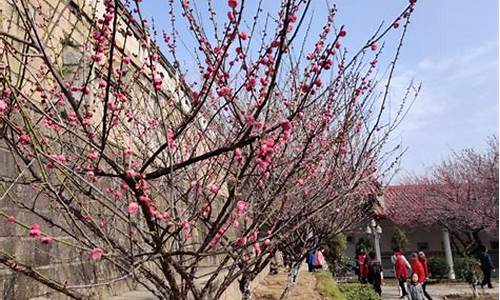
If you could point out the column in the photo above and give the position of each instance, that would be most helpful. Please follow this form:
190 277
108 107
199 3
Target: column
377 247
447 253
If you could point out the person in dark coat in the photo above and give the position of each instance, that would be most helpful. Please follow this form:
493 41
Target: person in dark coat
375 273
487 266
311 257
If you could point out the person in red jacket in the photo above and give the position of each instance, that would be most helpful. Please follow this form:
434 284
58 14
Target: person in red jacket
418 269
423 260
362 266
401 267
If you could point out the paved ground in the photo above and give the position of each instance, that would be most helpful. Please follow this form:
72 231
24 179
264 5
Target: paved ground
272 286
437 291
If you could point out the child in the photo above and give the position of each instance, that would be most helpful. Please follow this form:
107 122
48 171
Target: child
415 291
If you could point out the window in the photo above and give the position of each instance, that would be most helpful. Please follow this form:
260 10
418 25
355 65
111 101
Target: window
423 246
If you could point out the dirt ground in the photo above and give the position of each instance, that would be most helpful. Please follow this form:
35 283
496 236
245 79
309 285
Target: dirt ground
273 285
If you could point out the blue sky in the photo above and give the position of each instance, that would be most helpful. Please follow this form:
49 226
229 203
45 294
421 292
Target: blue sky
452 48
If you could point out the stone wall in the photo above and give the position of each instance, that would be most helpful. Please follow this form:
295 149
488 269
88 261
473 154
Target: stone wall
69 27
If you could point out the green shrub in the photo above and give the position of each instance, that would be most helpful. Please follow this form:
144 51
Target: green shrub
326 286
467 268
364 243
335 247
357 291
399 239
438 267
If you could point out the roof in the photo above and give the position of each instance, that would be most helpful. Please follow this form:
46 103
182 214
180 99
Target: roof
394 196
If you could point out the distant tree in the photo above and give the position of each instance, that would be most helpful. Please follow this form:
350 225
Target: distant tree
335 247
399 239
365 244
460 194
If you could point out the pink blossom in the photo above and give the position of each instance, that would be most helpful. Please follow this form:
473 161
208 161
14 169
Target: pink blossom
214 189
257 249
130 173
3 106
224 91
267 242
241 207
171 139
24 139
242 241
11 219
243 35
127 152
373 46
249 120
238 154
185 225
232 3
35 230
46 240
286 125
96 254
251 83
133 208
93 155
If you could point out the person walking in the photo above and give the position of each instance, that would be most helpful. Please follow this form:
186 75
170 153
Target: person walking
487 266
401 267
311 257
362 266
423 260
417 267
319 260
415 290
375 273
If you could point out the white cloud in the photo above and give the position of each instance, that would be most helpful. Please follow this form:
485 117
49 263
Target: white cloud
457 106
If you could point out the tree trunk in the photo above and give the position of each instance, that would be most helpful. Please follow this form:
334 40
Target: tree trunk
246 279
292 279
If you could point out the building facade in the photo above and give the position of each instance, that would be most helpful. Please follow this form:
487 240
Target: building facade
433 240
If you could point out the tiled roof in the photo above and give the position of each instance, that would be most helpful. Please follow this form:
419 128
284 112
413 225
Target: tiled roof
397 196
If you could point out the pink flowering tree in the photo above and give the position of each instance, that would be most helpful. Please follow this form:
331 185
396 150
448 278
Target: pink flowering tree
157 174
461 194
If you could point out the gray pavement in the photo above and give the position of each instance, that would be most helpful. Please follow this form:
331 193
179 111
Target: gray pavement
436 291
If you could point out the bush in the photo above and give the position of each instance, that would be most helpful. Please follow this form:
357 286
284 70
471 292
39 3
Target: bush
326 286
438 267
467 268
335 246
399 239
357 291
364 243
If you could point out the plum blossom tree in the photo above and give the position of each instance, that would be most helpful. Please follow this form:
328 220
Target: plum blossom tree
155 173
461 194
